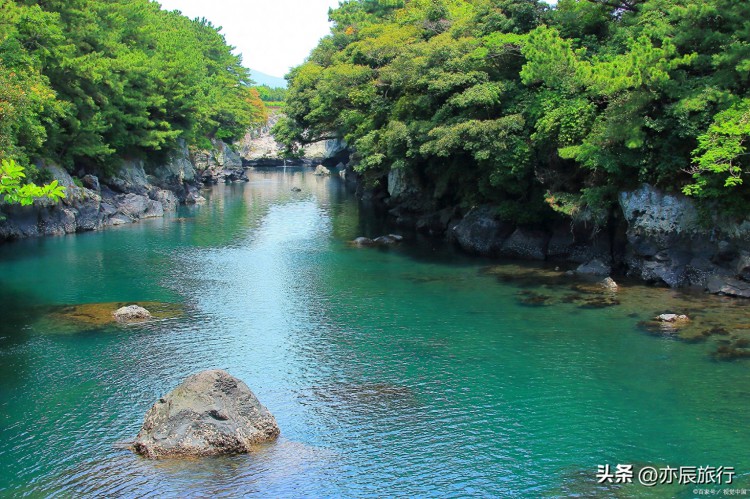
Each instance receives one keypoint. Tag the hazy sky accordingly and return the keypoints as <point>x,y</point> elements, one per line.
<point>271,35</point>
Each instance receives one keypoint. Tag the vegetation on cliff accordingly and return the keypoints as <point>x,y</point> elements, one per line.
<point>85,83</point>
<point>535,108</point>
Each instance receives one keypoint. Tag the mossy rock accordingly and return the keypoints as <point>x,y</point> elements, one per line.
<point>100,314</point>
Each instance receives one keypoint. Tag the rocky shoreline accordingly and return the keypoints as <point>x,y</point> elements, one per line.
<point>657,237</point>
<point>139,191</point>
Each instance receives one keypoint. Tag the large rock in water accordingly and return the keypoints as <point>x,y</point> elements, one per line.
<point>210,413</point>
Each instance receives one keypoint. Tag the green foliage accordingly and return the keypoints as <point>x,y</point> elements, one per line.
<point>534,108</point>
<point>271,95</point>
<point>85,82</point>
<point>14,190</point>
<point>722,151</point>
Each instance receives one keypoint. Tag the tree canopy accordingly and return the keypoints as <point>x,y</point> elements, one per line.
<point>86,82</point>
<point>532,107</point>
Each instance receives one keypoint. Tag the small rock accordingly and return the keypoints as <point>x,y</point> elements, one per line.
<point>131,313</point>
<point>321,170</point>
<point>609,284</point>
<point>672,318</point>
<point>210,413</point>
<point>296,189</point>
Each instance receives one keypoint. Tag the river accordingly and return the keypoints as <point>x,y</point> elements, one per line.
<point>406,371</point>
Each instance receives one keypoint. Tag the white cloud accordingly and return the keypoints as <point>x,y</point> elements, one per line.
<point>271,35</point>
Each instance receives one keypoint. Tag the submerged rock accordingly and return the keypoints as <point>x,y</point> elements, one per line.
<point>210,413</point>
<point>296,189</point>
<point>131,313</point>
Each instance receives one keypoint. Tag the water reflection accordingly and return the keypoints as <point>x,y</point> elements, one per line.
<point>407,370</point>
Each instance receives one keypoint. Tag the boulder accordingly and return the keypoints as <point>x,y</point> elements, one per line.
<point>131,313</point>
<point>210,413</point>
<point>480,232</point>
<point>525,244</point>
<point>729,286</point>
<point>321,170</point>
<point>743,266</point>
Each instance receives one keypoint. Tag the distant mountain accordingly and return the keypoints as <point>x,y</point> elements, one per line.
<point>264,79</point>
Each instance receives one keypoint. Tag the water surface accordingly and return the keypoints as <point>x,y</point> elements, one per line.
<point>408,371</point>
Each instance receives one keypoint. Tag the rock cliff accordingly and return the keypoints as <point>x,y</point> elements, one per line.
<point>654,236</point>
<point>126,197</point>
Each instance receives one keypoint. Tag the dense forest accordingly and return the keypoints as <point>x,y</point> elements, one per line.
<point>534,108</point>
<point>86,83</point>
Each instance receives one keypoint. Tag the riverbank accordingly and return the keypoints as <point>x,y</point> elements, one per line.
<point>657,237</point>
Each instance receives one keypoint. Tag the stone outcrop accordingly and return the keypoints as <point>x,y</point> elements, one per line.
<point>210,413</point>
<point>259,148</point>
<point>219,164</point>
<point>667,242</point>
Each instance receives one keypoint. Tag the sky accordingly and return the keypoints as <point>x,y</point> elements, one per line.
<point>271,35</point>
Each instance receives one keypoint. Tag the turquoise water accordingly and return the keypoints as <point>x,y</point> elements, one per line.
<point>408,371</point>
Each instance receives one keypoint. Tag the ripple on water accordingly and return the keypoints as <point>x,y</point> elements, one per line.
<point>402,373</point>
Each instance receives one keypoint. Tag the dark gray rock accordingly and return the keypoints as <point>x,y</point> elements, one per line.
<point>132,205</point>
<point>363,241</point>
<point>479,232</point>
<point>177,173</point>
<point>168,199</point>
<point>386,240</point>
<point>210,413</point>
<point>594,267</point>
<point>194,197</point>
<point>131,178</point>
<point>525,244</point>
<point>154,209</point>
<point>91,182</point>
<point>729,286</point>
<point>743,266</point>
